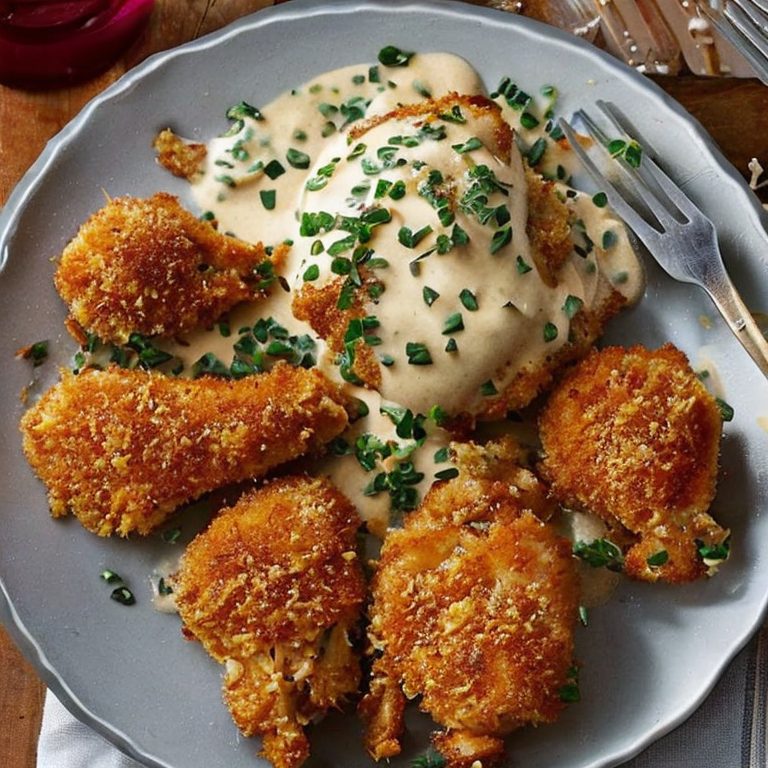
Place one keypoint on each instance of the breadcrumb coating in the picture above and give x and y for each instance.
(633, 436)
(475, 602)
(274, 590)
(181, 158)
(149, 266)
(123, 449)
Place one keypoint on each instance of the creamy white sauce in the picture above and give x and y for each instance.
(255, 182)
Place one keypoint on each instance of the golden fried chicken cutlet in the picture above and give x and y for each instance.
(123, 449)
(633, 436)
(475, 601)
(458, 241)
(149, 266)
(274, 590)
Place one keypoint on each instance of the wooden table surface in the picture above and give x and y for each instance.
(735, 112)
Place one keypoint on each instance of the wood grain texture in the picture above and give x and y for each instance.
(734, 112)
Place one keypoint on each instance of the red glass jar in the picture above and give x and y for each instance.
(49, 43)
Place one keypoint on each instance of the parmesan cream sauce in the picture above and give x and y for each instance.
(294, 160)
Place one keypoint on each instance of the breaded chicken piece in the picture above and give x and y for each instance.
(633, 436)
(149, 266)
(474, 607)
(181, 158)
(123, 449)
(274, 590)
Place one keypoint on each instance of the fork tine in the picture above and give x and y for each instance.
(744, 24)
(650, 168)
(687, 249)
(655, 206)
(615, 198)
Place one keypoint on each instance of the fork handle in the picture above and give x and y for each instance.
(739, 318)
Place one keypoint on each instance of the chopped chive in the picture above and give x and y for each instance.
(123, 595)
(501, 238)
(610, 238)
(268, 198)
(312, 272)
(658, 558)
(430, 295)
(550, 332)
(453, 323)
(274, 169)
(417, 353)
(392, 56)
(110, 576)
(468, 146)
(571, 306)
(726, 410)
(468, 299)
(488, 389)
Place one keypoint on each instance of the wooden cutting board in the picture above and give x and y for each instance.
(735, 112)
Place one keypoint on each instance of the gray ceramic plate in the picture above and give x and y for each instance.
(649, 658)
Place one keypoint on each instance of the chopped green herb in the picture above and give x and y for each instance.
(123, 595)
(210, 365)
(430, 295)
(468, 299)
(726, 410)
(536, 152)
(392, 56)
(468, 146)
(501, 238)
(442, 455)
(570, 693)
(488, 389)
(550, 332)
(600, 553)
(37, 353)
(410, 239)
(572, 305)
(658, 558)
(110, 576)
(274, 169)
(268, 198)
(610, 238)
(453, 323)
(716, 552)
(417, 353)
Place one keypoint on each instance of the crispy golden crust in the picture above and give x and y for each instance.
(319, 308)
(474, 606)
(149, 266)
(633, 436)
(179, 157)
(548, 227)
(586, 328)
(480, 107)
(123, 449)
(273, 589)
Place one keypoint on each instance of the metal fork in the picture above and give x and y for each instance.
(678, 235)
(744, 24)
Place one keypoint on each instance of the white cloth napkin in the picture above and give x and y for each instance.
(727, 731)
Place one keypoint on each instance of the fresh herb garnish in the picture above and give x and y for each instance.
(392, 56)
(600, 553)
